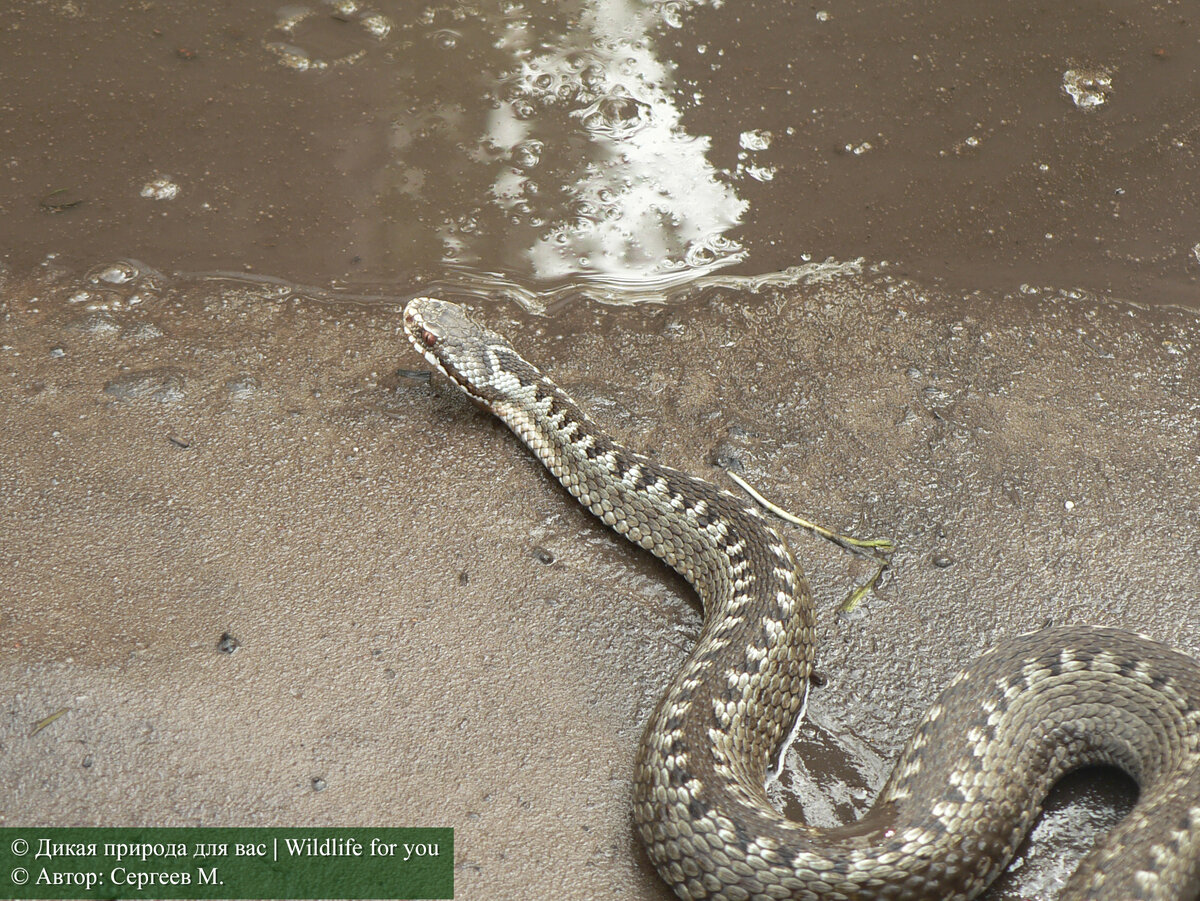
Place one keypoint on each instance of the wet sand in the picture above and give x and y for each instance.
(272, 579)
(268, 578)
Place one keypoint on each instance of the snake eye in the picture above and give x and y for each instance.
(428, 337)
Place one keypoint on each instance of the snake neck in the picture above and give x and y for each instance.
(745, 683)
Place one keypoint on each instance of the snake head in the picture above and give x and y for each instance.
(479, 361)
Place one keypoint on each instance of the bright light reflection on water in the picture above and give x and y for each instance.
(592, 175)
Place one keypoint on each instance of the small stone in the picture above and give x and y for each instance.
(541, 555)
(228, 644)
(942, 562)
(727, 458)
(318, 784)
(57, 353)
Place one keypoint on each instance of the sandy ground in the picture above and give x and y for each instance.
(424, 631)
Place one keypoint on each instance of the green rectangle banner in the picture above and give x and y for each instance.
(200, 862)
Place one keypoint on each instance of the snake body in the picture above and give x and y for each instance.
(970, 782)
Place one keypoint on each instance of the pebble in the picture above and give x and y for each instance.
(228, 644)
(727, 458)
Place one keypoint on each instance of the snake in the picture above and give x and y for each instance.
(966, 788)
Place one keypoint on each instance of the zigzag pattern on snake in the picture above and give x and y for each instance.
(970, 782)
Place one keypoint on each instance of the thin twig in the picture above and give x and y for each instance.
(854, 545)
(47, 721)
(877, 549)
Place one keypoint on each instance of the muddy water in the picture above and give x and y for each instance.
(272, 579)
(343, 144)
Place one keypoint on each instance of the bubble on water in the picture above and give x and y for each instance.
(761, 173)
(528, 154)
(446, 38)
(710, 250)
(1088, 88)
(378, 26)
(290, 19)
(593, 77)
(290, 16)
(616, 116)
(755, 139)
(672, 14)
(115, 273)
(160, 188)
(292, 57)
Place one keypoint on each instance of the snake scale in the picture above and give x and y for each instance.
(967, 786)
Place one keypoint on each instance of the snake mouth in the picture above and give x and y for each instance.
(422, 338)
(427, 341)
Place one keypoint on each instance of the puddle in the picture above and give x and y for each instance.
(612, 147)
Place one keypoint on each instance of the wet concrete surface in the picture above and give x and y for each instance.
(273, 579)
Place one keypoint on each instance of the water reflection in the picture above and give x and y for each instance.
(579, 167)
